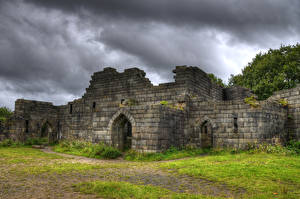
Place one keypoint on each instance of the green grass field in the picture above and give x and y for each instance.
(25, 172)
(261, 175)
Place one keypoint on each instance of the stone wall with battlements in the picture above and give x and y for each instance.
(124, 109)
(198, 83)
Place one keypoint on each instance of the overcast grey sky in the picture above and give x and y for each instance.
(49, 48)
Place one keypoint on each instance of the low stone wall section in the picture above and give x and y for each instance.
(292, 96)
(265, 123)
(30, 116)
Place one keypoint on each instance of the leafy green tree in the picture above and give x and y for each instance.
(271, 71)
(5, 113)
(216, 80)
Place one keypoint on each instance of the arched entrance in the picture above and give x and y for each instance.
(206, 135)
(121, 134)
(47, 132)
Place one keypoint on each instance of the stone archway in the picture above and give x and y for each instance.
(121, 134)
(206, 134)
(48, 132)
(122, 130)
(205, 129)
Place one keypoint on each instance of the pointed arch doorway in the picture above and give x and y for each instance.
(47, 131)
(206, 134)
(121, 134)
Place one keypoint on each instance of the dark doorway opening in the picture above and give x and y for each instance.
(48, 133)
(206, 135)
(46, 130)
(122, 133)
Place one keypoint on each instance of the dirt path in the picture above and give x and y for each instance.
(14, 185)
(93, 160)
(149, 174)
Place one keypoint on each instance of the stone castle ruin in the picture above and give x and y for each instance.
(125, 110)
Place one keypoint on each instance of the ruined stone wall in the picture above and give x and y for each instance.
(150, 124)
(110, 86)
(198, 83)
(237, 93)
(2, 131)
(170, 114)
(171, 127)
(293, 98)
(109, 92)
(265, 123)
(29, 118)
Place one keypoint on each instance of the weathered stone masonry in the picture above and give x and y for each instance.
(125, 110)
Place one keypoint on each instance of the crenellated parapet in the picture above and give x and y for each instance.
(198, 83)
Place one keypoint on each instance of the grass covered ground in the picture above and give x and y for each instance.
(268, 172)
(128, 190)
(262, 175)
(101, 151)
(87, 149)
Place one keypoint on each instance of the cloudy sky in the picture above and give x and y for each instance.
(49, 48)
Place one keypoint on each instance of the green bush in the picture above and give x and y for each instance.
(6, 143)
(10, 143)
(269, 148)
(28, 142)
(111, 153)
(87, 149)
(36, 141)
(169, 154)
(294, 145)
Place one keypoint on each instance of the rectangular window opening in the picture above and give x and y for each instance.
(26, 126)
(71, 108)
(235, 123)
(94, 105)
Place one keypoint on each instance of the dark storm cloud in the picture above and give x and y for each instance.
(49, 48)
(246, 19)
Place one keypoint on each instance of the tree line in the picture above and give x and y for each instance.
(268, 72)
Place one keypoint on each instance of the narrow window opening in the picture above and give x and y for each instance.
(58, 135)
(235, 124)
(26, 126)
(71, 108)
(94, 105)
(122, 101)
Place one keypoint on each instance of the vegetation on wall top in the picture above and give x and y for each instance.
(252, 101)
(216, 80)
